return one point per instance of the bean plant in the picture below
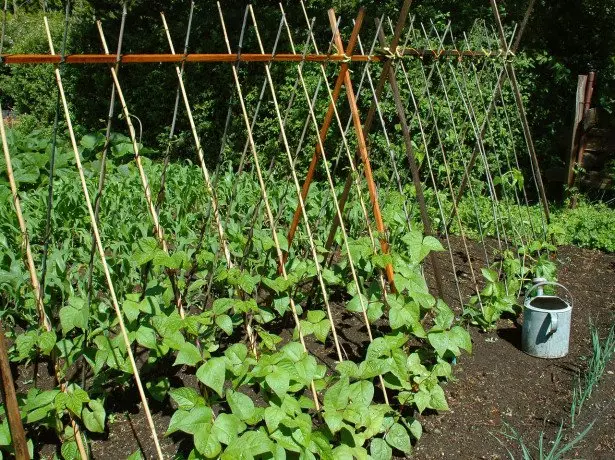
(244, 405)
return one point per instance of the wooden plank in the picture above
(576, 131)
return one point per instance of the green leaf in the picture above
(225, 323)
(452, 341)
(348, 368)
(188, 354)
(306, 369)
(89, 141)
(315, 316)
(438, 398)
(221, 306)
(337, 396)
(462, 338)
(273, 416)
(74, 315)
(355, 304)
(25, 345)
(432, 244)
(270, 341)
(69, 450)
(382, 260)
(278, 381)
(94, 419)
(46, 342)
(321, 330)
(399, 438)
(213, 374)
(401, 315)
(73, 400)
(416, 429)
(190, 421)
(131, 309)
(167, 326)
(206, 442)
(146, 337)
(490, 275)
(362, 392)
(144, 250)
(248, 445)
(158, 388)
(186, 398)
(241, 405)
(227, 427)
(136, 455)
(445, 316)
(375, 311)
(281, 305)
(380, 450)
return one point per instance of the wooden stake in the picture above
(18, 435)
(337, 207)
(414, 168)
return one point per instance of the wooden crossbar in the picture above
(159, 58)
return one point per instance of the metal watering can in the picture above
(546, 322)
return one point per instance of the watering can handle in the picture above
(553, 318)
(550, 283)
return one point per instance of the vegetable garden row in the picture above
(219, 285)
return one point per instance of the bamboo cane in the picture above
(332, 189)
(158, 230)
(44, 321)
(510, 70)
(297, 186)
(497, 90)
(208, 183)
(442, 150)
(323, 133)
(345, 146)
(101, 250)
(362, 145)
(266, 202)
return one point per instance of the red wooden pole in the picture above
(325, 126)
(362, 145)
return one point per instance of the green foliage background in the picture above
(563, 39)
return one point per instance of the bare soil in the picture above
(499, 384)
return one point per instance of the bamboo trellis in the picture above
(431, 142)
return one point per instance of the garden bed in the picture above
(497, 384)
